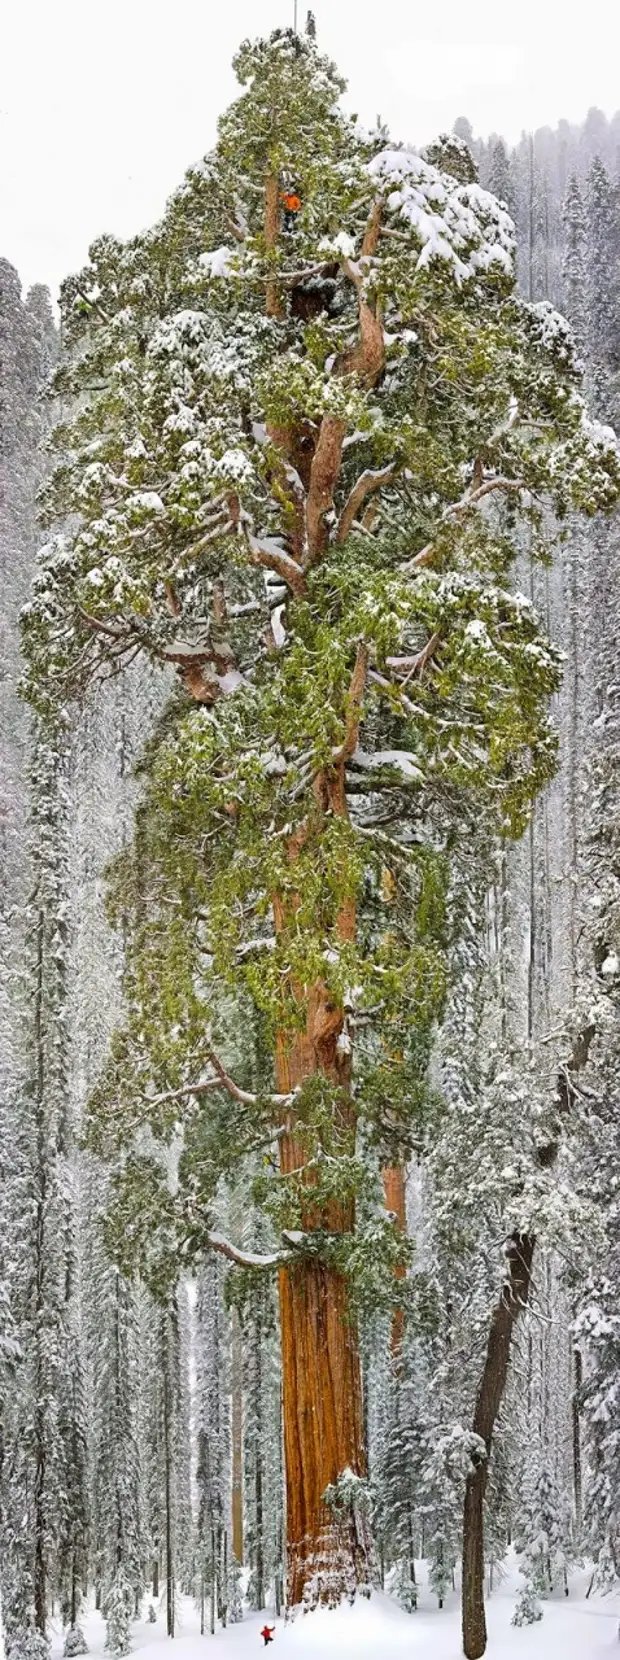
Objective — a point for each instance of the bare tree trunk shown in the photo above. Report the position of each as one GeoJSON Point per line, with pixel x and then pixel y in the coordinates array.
{"type": "Point", "coordinates": [513, 1300]}
{"type": "Point", "coordinates": [40, 1470]}
{"type": "Point", "coordinates": [168, 1463]}
{"type": "Point", "coordinates": [577, 1468]}
{"type": "Point", "coordinates": [258, 1466]}
{"type": "Point", "coordinates": [237, 1437]}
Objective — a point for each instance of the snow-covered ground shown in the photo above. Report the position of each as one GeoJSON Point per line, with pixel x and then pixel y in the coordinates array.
{"type": "Point", "coordinates": [573, 1628]}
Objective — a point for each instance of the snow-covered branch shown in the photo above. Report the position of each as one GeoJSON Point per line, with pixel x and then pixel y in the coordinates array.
{"type": "Point", "coordinates": [247, 1259]}
{"type": "Point", "coordinates": [222, 1080]}
{"type": "Point", "coordinates": [409, 666]}
{"type": "Point", "coordinates": [367, 484]}
{"type": "Point", "coordinates": [265, 551]}
{"type": "Point", "coordinates": [459, 509]}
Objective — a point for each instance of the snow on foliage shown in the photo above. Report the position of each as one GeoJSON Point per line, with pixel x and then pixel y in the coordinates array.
{"type": "Point", "coordinates": [461, 224]}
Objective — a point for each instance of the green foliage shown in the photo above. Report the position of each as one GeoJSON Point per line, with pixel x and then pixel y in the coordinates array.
{"type": "Point", "coordinates": [187, 526]}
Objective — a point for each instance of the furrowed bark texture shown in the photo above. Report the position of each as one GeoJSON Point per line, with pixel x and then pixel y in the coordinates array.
{"type": "Point", "coordinates": [513, 1300]}
{"type": "Point", "coordinates": [322, 1397]}
{"type": "Point", "coordinates": [322, 1393]}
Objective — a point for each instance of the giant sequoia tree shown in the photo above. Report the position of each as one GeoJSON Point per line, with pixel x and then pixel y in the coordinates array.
{"type": "Point", "coordinates": [302, 448]}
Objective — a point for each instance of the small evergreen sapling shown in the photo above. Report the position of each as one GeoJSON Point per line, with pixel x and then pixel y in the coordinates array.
{"type": "Point", "coordinates": [118, 1611]}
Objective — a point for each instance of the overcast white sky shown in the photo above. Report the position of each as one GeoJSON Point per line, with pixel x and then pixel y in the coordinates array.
{"type": "Point", "coordinates": [104, 104]}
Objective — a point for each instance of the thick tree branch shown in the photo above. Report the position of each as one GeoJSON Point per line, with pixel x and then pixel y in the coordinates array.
{"type": "Point", "coordinates": [324, 473]}
{"type": "Point", "coordinates": [271, 224]}
{"type": "Point", "coordinates": [368, 357]}
{"type": "Point", "coordinates": [247, 1259]}
{"type": "Point", "coordinates": [409, 666]}
{"type": "Point", "coordinates": [277, 560]}
{"type": "Point", "coordinates": [245, 1096]}
{"type": "Point", "coordinates": [222, 1080]}
{"type": "Point", "coordinates": [367, 484]}
{"type": "Point", "coordinates": [99, 627]}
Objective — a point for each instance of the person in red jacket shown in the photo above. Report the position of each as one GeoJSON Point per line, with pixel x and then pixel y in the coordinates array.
{"type": "Point", "coordinates": [267, 1634]}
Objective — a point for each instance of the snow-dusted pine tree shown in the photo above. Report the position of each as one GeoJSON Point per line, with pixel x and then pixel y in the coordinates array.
{"type": "Point", "coordinates": [290, 507]}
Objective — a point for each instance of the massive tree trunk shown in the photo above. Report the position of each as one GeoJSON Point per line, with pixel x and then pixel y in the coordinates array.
{"type": "Point", "coordinates": [322, 1392]}
{"type": "Point", "coordinates": [322, 1395]}
{"type": "Point", "coordinates": [513, 1300]}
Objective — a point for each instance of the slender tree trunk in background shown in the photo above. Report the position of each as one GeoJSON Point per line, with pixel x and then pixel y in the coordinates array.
{"type": "Point", "coordinates": [576, 1426]}
{"type": "Point", "coordinates": [513, 1300]}
{"type": "Point", "coordinates": [394, 1190]}
{"type": "Point", "coordinates": [258, 1468]}
{"type": "Point", "coordinates": [168, 1467]}
{"type": "Point", "coordinates": [224, 1582]}
{"type": "Point", "coordinates": [530, 273]}
{"type": "Point", "coordinates": [237, 1437]}
{"type": "Point", "coordinates": [40, 1461]}
{"type": "Point", "coordinates": [156, 1578]}
{"type": "Point", "coordinates": [412, 1574]}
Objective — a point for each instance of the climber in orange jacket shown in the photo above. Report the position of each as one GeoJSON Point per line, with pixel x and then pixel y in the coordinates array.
{"type": "Point", "coordinates": [291, 204]}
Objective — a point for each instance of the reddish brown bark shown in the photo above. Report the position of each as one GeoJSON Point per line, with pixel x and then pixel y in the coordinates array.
{"type": "Point", "coordinates": [324, 474]}
{"type": "Point", "coordinates": [322, 1398]}
{"type": "Point", "coordinates": [273, 298]}
{"type": "Point", "coordinates": [322, 1393]}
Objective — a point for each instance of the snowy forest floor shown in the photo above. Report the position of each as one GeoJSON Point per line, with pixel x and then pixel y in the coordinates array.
{"type": "Point", "coordinates": [573, 1628]}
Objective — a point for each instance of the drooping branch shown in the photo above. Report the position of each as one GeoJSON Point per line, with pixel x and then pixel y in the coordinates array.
{"type": "Point", "coordinates": [202, 1086]}
{"type": "Point", "coordinates": [393, 690]}
{"type": "Point", "coordinates": [222, 1080]}
{"type": "Point", "coordinates": [460, 509]}
{"type": "Point", "coordinates": [245, 1096]}
{"type": "Point", "coordinates": [247, 1259]}
{"type": "Point", "coordinates": [279, 561]}
{"type": "Point", "coordinates": [410, 666]}
{"type": "Point", "coordinates": [367, 484]}
{"type": "Point", "coordinates": [100, 627]}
